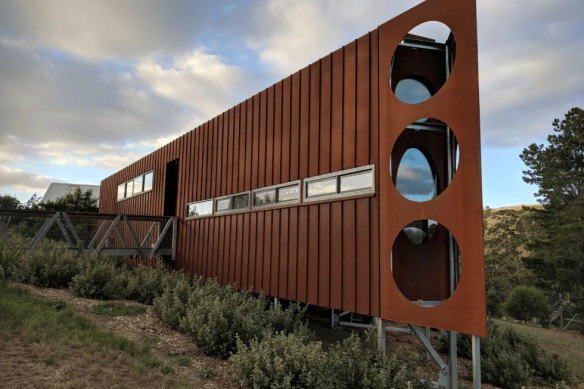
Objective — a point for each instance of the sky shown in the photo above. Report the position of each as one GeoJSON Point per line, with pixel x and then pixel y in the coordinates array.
{"type": "Point", "coordinates": [87, 87]}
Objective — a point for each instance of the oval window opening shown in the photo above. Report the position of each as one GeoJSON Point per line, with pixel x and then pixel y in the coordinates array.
{"type": "Point", "coordinates": [426, 262]}
{"type": "Point", "coordinates": [422, 62]}
{"type": "Point", "coordinates": [415, 178]}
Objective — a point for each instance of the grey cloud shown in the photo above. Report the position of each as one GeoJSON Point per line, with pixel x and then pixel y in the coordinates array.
{"type": "Point", "coordinates": [106, 28]}
{"type": "Point", "coordinates": [23, 181]}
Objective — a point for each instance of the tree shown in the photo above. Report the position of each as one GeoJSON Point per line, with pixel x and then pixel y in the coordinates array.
{"type": "Point", "coordinates": [9, 202]}
{"type": "Point", "coordinates": [557, 248]}
{"type": "Point", "coordinates": [76, 201]}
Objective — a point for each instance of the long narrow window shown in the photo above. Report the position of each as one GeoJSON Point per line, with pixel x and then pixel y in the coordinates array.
{"type": "Point", "coordinates": [200, 209]}
{"type": "Point", "coordinates": [344, 183]}
{"type": "Point", "coordinates": [137, 186]}
{"type": "Point", "coordinates": [275, 195]}
{"type": "Point", "coordinates": [232, 203]}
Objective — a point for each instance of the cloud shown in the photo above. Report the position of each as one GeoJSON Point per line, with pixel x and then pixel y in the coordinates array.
{"type": "Point", "coordinates": [199, 80]}
{"type": "Point", "coordinates": [106, 28]}
{"type": "Point", "coordinates": [23, 181]}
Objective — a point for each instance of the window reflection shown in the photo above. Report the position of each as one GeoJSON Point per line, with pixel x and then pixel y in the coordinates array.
{"type": "Point", "coordinates": [357, 181]}
{"type": "Point", "coordinates": [421, 231]}
{"type": "Point", "coordinates": [289, 193]}
{"type": "Point", "coordinates": [241, 201]}
{"type": "Point", "coordinates": [129, 189]}
{"type": "Point", "coordinates": [322, 187]}
{"type": "Point", "coordinates": [265, 197]}
{"type": "Point", "coordinates": [411, 91]}
{"type": "Point", "coordinates": [138, 182]}
{"type": "Point", "coordinates": [415, 178]}
{"type": "Point", "coordinates": [148, 181]}
{"type": "Point", "coordinates": [222, 204]}
{"type": "Point", "coordinates": [121, 191]}
{"type": "Point", "coordinates": [202, 208]}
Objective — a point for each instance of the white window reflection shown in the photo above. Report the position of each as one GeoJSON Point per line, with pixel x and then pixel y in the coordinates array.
{"type": "Point", "coordinates": [148, 177]}
{"type": "Point", "coordinates": [129, 189]}
{"type": "Point", "coordinates": [415, 178]}
{"type": "Point", "coordinates": [322, 187]}
{"type": "Point", "coordinates": [223, 204]}
{"type": "Point", "coordinates": [138, 183]}
{"type": "Point", "coordinates": [201, 208]}
{"type": "Point", "coordinates": [121, 191]}
{"type": "Point", "coordinates": [357, 181]}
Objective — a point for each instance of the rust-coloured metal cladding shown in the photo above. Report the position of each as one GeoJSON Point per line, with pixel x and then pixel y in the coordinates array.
{"type": "Point", "coordinates": [337, 113]}
{"type": "Point", "coordinates": [459, 207]}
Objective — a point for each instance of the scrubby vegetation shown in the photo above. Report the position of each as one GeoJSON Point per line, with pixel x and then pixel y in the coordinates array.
{"type": "Point", "coordinates": [511, 359]}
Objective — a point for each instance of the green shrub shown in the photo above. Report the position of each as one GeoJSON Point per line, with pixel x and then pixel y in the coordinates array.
{"type": "Point", "coordinates": [526, 303]}
{"type": "Point", "coordinates": [145, 283]}
{"type": "Point", "coordinates": [10, 256]}
{"type": "Point", "coordinates": [358, 363]}
{"type": "Point", "coordinates": [51, 265]}
{"type": "Point", "coordinates": [101, 278]}
{"type": "Point", "coordinates": [217, 316]}
{"type": "Point", "coordinates": [282, 362]}
{"type": "Point", "coordinates": [511, 359]}
{"type": "Point", "coordinates": [171, 306]}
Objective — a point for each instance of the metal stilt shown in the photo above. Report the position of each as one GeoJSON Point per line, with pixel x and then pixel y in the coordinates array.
{"type": "Point", "coordinates": [476, 362]}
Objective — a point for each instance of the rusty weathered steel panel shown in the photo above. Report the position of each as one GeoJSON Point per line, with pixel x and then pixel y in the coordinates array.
{"type": "Point", "coordinates": [337, 113]}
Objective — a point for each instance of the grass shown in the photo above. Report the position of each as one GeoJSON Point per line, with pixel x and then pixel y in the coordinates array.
{"type": "Point", "coordinates": [43, 321]}
{"type": "Point", "coordinates": [117, 309]}
{"type": "Point", "coordinates": [567, 344]}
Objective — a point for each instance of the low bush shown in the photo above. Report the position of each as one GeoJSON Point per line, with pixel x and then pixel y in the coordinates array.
{"type": "Point", "coordinates": [101, 278]}
{"type": "Point", "coordinates": [511, 359]}
{"type": "Point", "coordinates": [282, 361]}
{"type": "Point", "coordinates": [50, 265]}
{"type": "Point", "coordinates": [358, 363]}
{"type": "Point", "coordinates": [145, 283]}
{"type": "Point", "coordinates": [526, 303]}
{"type": "Point", "coordinates": [171, 306]}
{"type": "Point", "coordinates": [291, 361]}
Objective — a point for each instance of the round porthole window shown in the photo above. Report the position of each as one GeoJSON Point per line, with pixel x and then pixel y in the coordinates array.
{"type": "Point", "coordinates": [422, 62]}
{"type": "Point", "coordinates": [426, 263]}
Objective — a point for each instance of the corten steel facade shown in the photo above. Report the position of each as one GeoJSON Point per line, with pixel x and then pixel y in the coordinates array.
{"type": "Point", "coordinates": [336, 114]}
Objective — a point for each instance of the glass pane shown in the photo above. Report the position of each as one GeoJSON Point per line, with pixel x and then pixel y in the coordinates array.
{"type": "Point", "coordinates": [265, 197]}
{"type": "Point", "coordinates": [411, 91]}
{"type": "Point", "coordinates": [121, 190]}
{"type": "Point", "coordinates": [129, 188]}
{"type": "Point", "coordinates": [241, 201]}
{"type": "Point", "coordinates": [202, 208]}
{"type": "Point", "coordinates": [421, 231]}
{"type": "Point", "coordinates": [148, 181]}
{"type": "Point", "coordinates": [323, 187]}
{"type": "Point", "coordinates": [357, 181]}
{"type": "Point", "coordinates": [223, 204]}
{"type": "Point", "coordinates": [415, 178]}
{"type": "Point", "coordinates": [289, 193]}
{"type": "Point", "coordinates": [138, 181]}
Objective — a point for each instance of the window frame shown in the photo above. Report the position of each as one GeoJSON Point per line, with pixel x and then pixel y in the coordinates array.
{"type": "Point", "coordinates": [143, 191]}
{"type": "Point", "coordinates": [277, 202]}
{"type": "Point", "coordinates": [338, 194]}
{"type": "Point", "coordinates": [230, 197]}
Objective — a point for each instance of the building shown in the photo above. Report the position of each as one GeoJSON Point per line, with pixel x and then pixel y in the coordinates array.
{"type": "Point", "coordinates": [60, 189]}
{"type": "Point", "coordinates": [352, 184]}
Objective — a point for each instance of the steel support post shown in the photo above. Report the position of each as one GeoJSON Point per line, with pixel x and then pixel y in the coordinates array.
{"type": "Point", "coordinates": [428, 356]}
{"type": "Point", "coordinates": [476, 362]}
{"type": "Point", "coordinates": [276, 302]}
{"type": "Point", "coordinates": [332, 318]}
{"type": "Point", "coordinates": [453, 360]}
{"type": "Point", "coordinates": [381, 333]}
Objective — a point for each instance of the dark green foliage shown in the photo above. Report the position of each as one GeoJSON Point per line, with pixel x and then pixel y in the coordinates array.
{"type": "Point", "coordinates": [148, 282]}
{"type": "Point", "coordinates": [526, 303]}
{"type": "Point", "coordinates": [50, 265]}
{"type": "Point", "coordinates": [291, 361]}
{"type": "Point", "coordinates": [117, 309]}
{"type": "Point", "coordinates": [557, 250]}
{"type": "Point", "coordinates": [511, 359]}
{"type": "Point", "coordinates": [9, 202]}
{"type": "Point", "coordinates": [76, 201]}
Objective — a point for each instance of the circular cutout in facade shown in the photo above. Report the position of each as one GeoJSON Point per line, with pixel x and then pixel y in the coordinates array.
{"type": "Point", "coordinates": [426, 268]}
{"type": "Point", "coordinates": [424, 160]}
{"type": "Point", "coordinates": [422, 62]}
